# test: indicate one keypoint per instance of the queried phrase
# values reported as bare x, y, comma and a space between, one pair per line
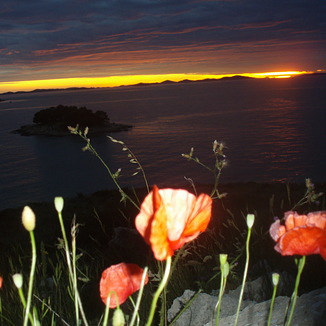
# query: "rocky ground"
310, 308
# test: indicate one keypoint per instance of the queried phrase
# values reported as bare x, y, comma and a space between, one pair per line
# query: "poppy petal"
303, 241
301, 235
277, 230
158, 238
168, 218
179, 205
119, 282
317, 219
200, 217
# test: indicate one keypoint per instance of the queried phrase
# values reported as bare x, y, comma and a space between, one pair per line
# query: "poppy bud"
118, 318
58, 203
223, 259
18, 280
250, 220
275, 278
28, 218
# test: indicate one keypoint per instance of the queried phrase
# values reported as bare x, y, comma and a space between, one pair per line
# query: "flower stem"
224, 274
90, 148
276, 276
219, 302
31, 280
72, 271
106, 314
159, 291
140, 294
244, 276
300, 264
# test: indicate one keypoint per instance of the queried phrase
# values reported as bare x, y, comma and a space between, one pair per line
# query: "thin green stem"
139, 297
72, 273
23, 301
106, 313
225, 269
244, 276
31, 281
219, 301
159, 291
53, 312
301, 264
216, 182
133, 159
65, 241
272, 305
22, 298
114, 179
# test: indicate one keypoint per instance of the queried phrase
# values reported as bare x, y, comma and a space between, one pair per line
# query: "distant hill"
166, 82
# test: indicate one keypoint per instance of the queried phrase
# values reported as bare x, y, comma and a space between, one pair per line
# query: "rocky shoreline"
59, 131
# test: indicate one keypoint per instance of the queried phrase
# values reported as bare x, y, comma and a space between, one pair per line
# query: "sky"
71, 43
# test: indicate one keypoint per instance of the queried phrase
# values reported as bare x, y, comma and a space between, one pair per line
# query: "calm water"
274, 131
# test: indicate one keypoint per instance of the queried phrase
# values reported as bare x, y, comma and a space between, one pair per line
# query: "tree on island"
64, 116
54, 121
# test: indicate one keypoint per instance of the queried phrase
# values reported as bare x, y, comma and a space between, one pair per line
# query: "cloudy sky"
50, 39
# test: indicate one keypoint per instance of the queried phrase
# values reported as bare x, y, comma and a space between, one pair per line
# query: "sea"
274, 130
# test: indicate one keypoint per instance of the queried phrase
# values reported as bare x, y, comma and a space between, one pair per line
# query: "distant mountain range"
235, 77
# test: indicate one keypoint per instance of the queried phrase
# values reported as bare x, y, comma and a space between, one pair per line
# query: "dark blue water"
274, 130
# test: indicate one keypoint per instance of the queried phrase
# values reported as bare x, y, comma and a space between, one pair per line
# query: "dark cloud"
67, 38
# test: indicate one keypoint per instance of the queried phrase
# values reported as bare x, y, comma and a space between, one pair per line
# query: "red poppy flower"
120, 281
169, 218
301, 235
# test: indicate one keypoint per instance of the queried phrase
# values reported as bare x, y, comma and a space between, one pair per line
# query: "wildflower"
169, 218
18, 280
119, 282
28, 218
301, 235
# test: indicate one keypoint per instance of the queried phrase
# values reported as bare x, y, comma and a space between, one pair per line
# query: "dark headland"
54, 121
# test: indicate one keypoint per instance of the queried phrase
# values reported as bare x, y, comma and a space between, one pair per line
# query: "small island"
54, 121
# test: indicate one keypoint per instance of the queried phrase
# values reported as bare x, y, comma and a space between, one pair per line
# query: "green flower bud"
18, 280
275, 278
250, 220
28, 218
118, 318
223, 259
58, 203
226, 269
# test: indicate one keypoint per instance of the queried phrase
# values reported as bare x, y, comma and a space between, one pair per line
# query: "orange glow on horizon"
114, 81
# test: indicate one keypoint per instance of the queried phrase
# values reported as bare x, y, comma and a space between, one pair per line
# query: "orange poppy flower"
169, 218
119, 282
301, 235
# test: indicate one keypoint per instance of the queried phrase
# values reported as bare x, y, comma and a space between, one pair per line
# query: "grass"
67, 293
197, 266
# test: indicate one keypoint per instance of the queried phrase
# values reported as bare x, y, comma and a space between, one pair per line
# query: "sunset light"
109, 44
115, 81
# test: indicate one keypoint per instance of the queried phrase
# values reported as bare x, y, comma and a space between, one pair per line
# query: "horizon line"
118, 81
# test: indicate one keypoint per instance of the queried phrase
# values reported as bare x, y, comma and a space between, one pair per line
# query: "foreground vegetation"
62, 288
